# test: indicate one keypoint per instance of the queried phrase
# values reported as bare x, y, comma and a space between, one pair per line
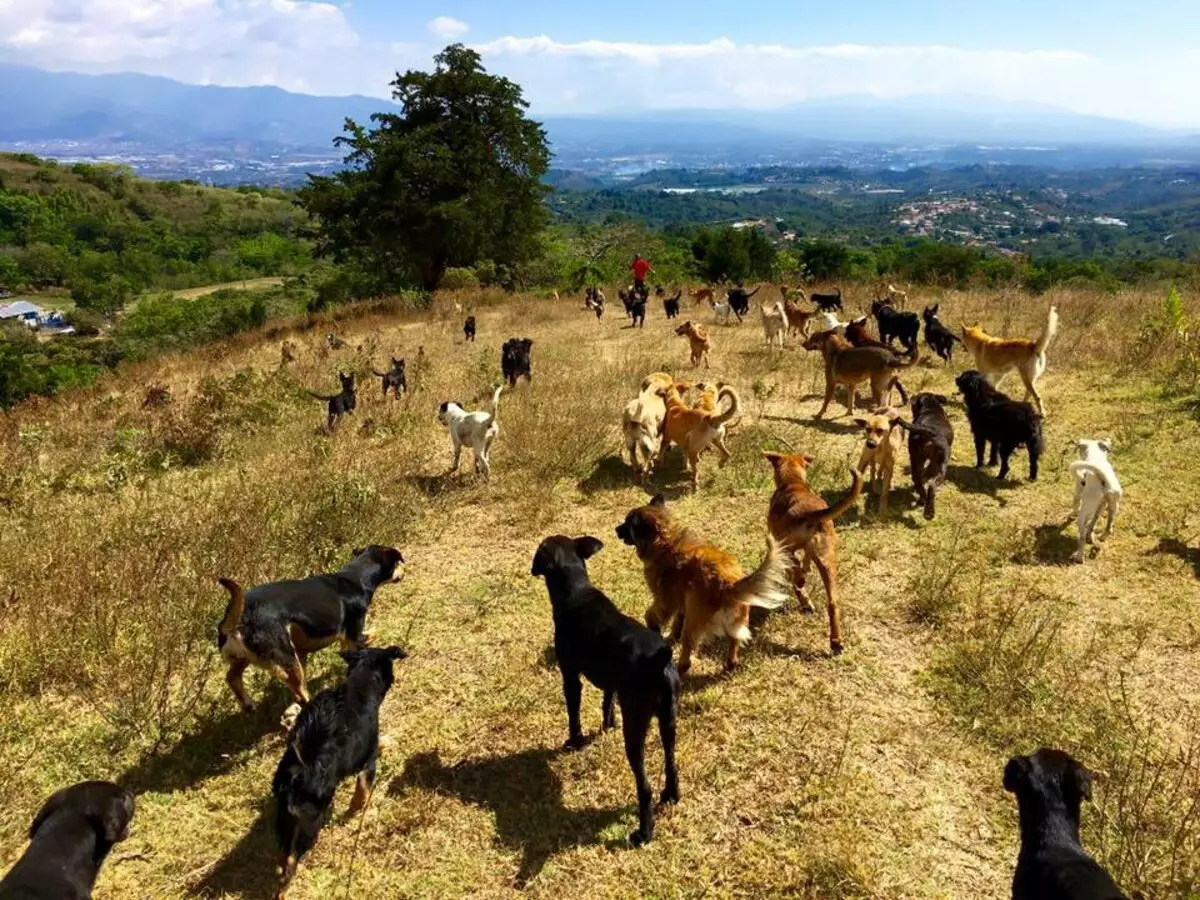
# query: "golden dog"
996, 357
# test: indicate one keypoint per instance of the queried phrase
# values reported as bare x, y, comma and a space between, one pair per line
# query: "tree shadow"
1051, 546
610, 473
248, 869
524, 795
1177, 548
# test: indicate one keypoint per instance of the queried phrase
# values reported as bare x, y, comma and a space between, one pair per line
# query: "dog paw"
290, 715
669, 795
836, 648
639, 839
576, 742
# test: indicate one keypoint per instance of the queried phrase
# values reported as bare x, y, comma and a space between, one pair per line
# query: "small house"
24, 312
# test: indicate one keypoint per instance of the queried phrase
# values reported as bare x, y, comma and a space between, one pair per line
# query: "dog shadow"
211, 749
610, 473
524, 795
1177, 548
971, 480
832, 426
1052, 546
248, 869
443, 483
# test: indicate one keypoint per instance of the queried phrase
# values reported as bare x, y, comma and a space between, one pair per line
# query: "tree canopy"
452, 179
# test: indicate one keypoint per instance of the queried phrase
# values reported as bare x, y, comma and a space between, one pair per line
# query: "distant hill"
36, 105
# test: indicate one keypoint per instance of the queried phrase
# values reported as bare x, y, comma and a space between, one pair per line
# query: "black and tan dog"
515, 362
625, 659
336, 736
671, 304
394, 379
275, 626
68, 842
1050, 788
469, 329
937, 335
340, 404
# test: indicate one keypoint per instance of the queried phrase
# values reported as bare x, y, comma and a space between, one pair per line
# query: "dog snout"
872, 444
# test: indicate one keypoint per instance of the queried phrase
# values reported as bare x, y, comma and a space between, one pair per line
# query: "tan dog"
881, 450
642, 423
700, 588
697, 336
695, 430
803, 522
799, 321
849, 365
996, 357
775, 323
707, 402
898, 298
703, 295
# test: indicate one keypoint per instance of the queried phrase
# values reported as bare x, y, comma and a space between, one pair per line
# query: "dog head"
444, 410
347, 380
1097, 448
375, 661
1047, 781
878, 427
930, 313
561, 552
972, 335
398, 365
687, 329
970, 383
788, 468
387, 559
821, 339
925, 402
879, 305
643, 525
107, 807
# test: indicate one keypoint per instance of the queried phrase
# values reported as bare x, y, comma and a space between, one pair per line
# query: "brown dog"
697, 336
695, 430
803, 522
799, 321
996, 357
700, 588
642, 423
881, 450
849, 365
703, 295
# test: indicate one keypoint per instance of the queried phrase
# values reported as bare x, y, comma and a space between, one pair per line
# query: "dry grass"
873, 775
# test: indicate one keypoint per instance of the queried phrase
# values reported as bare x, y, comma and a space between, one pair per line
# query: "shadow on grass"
611, 473
446, 482
1177, 548
971, 480
248, 869
1051, 546
524, 795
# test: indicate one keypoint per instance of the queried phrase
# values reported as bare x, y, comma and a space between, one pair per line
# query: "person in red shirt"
641, 268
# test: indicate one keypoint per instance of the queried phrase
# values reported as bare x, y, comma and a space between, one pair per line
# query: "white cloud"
448, 28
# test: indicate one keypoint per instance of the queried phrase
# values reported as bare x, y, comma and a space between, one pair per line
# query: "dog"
827, 321
1096, 490
671, 304
897, 298
287, 353
996, 357
1050, 788
707, 402
336, 736
893, 325
704, 294
695, 430
697, 336
940, 338
739, 300
642, 424
469, 329
477, 430
722, 309
515, 362
393, 379
775, 323
849, 365
930, 437
636, 307
339, 404
593, 299
881, 450
698, 589
69, 840
275, 626
620, 656
856, 333
333, 342
801, 521
1000, 421
828, 302
798, 319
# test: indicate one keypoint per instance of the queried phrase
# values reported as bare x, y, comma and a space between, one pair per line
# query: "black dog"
393, 379
469, 329
340, 404
514, 360
336, 736
937, 335
625, 659
739, 300
1007, 424
277, 625
827, 302
1052, 865
68, 842
671, 304
894, 325
637, 311
930, 437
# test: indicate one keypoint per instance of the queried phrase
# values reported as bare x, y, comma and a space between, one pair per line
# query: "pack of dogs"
697, 589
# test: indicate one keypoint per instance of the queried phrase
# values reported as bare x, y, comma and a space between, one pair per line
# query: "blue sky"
1133, 60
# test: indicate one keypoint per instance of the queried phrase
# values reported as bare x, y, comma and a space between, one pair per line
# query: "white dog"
478, 429
827, 321
1096, 489
775, 323
722, 309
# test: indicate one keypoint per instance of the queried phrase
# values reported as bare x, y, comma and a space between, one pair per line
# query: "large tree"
452, 179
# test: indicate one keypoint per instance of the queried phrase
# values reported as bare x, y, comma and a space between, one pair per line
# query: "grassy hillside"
876, 774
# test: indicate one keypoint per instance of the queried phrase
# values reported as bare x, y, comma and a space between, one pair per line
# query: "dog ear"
1105, 445
773, 458
352, 657
861, 423
658, 500
588, 546
359, 551
1082, 780
1016, 772
941, 398
540, 565
808, 460
395, 653
113, 820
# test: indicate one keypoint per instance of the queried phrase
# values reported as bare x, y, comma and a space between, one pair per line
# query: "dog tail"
491, 420
904, 362
840, 509
235, 607
1080, 467
766, 587
734, 406
324, 397
1048, 332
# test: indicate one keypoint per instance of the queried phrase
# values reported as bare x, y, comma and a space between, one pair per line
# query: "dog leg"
851, 399
1114, 503
1006, 452
980, 446
635, 721
234, 678
719, 443
572, 692
363, 786
829, 388
294, 676
457, 446
887, 489
687, 646
827, 567
799, 579
608, 715
668, 712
